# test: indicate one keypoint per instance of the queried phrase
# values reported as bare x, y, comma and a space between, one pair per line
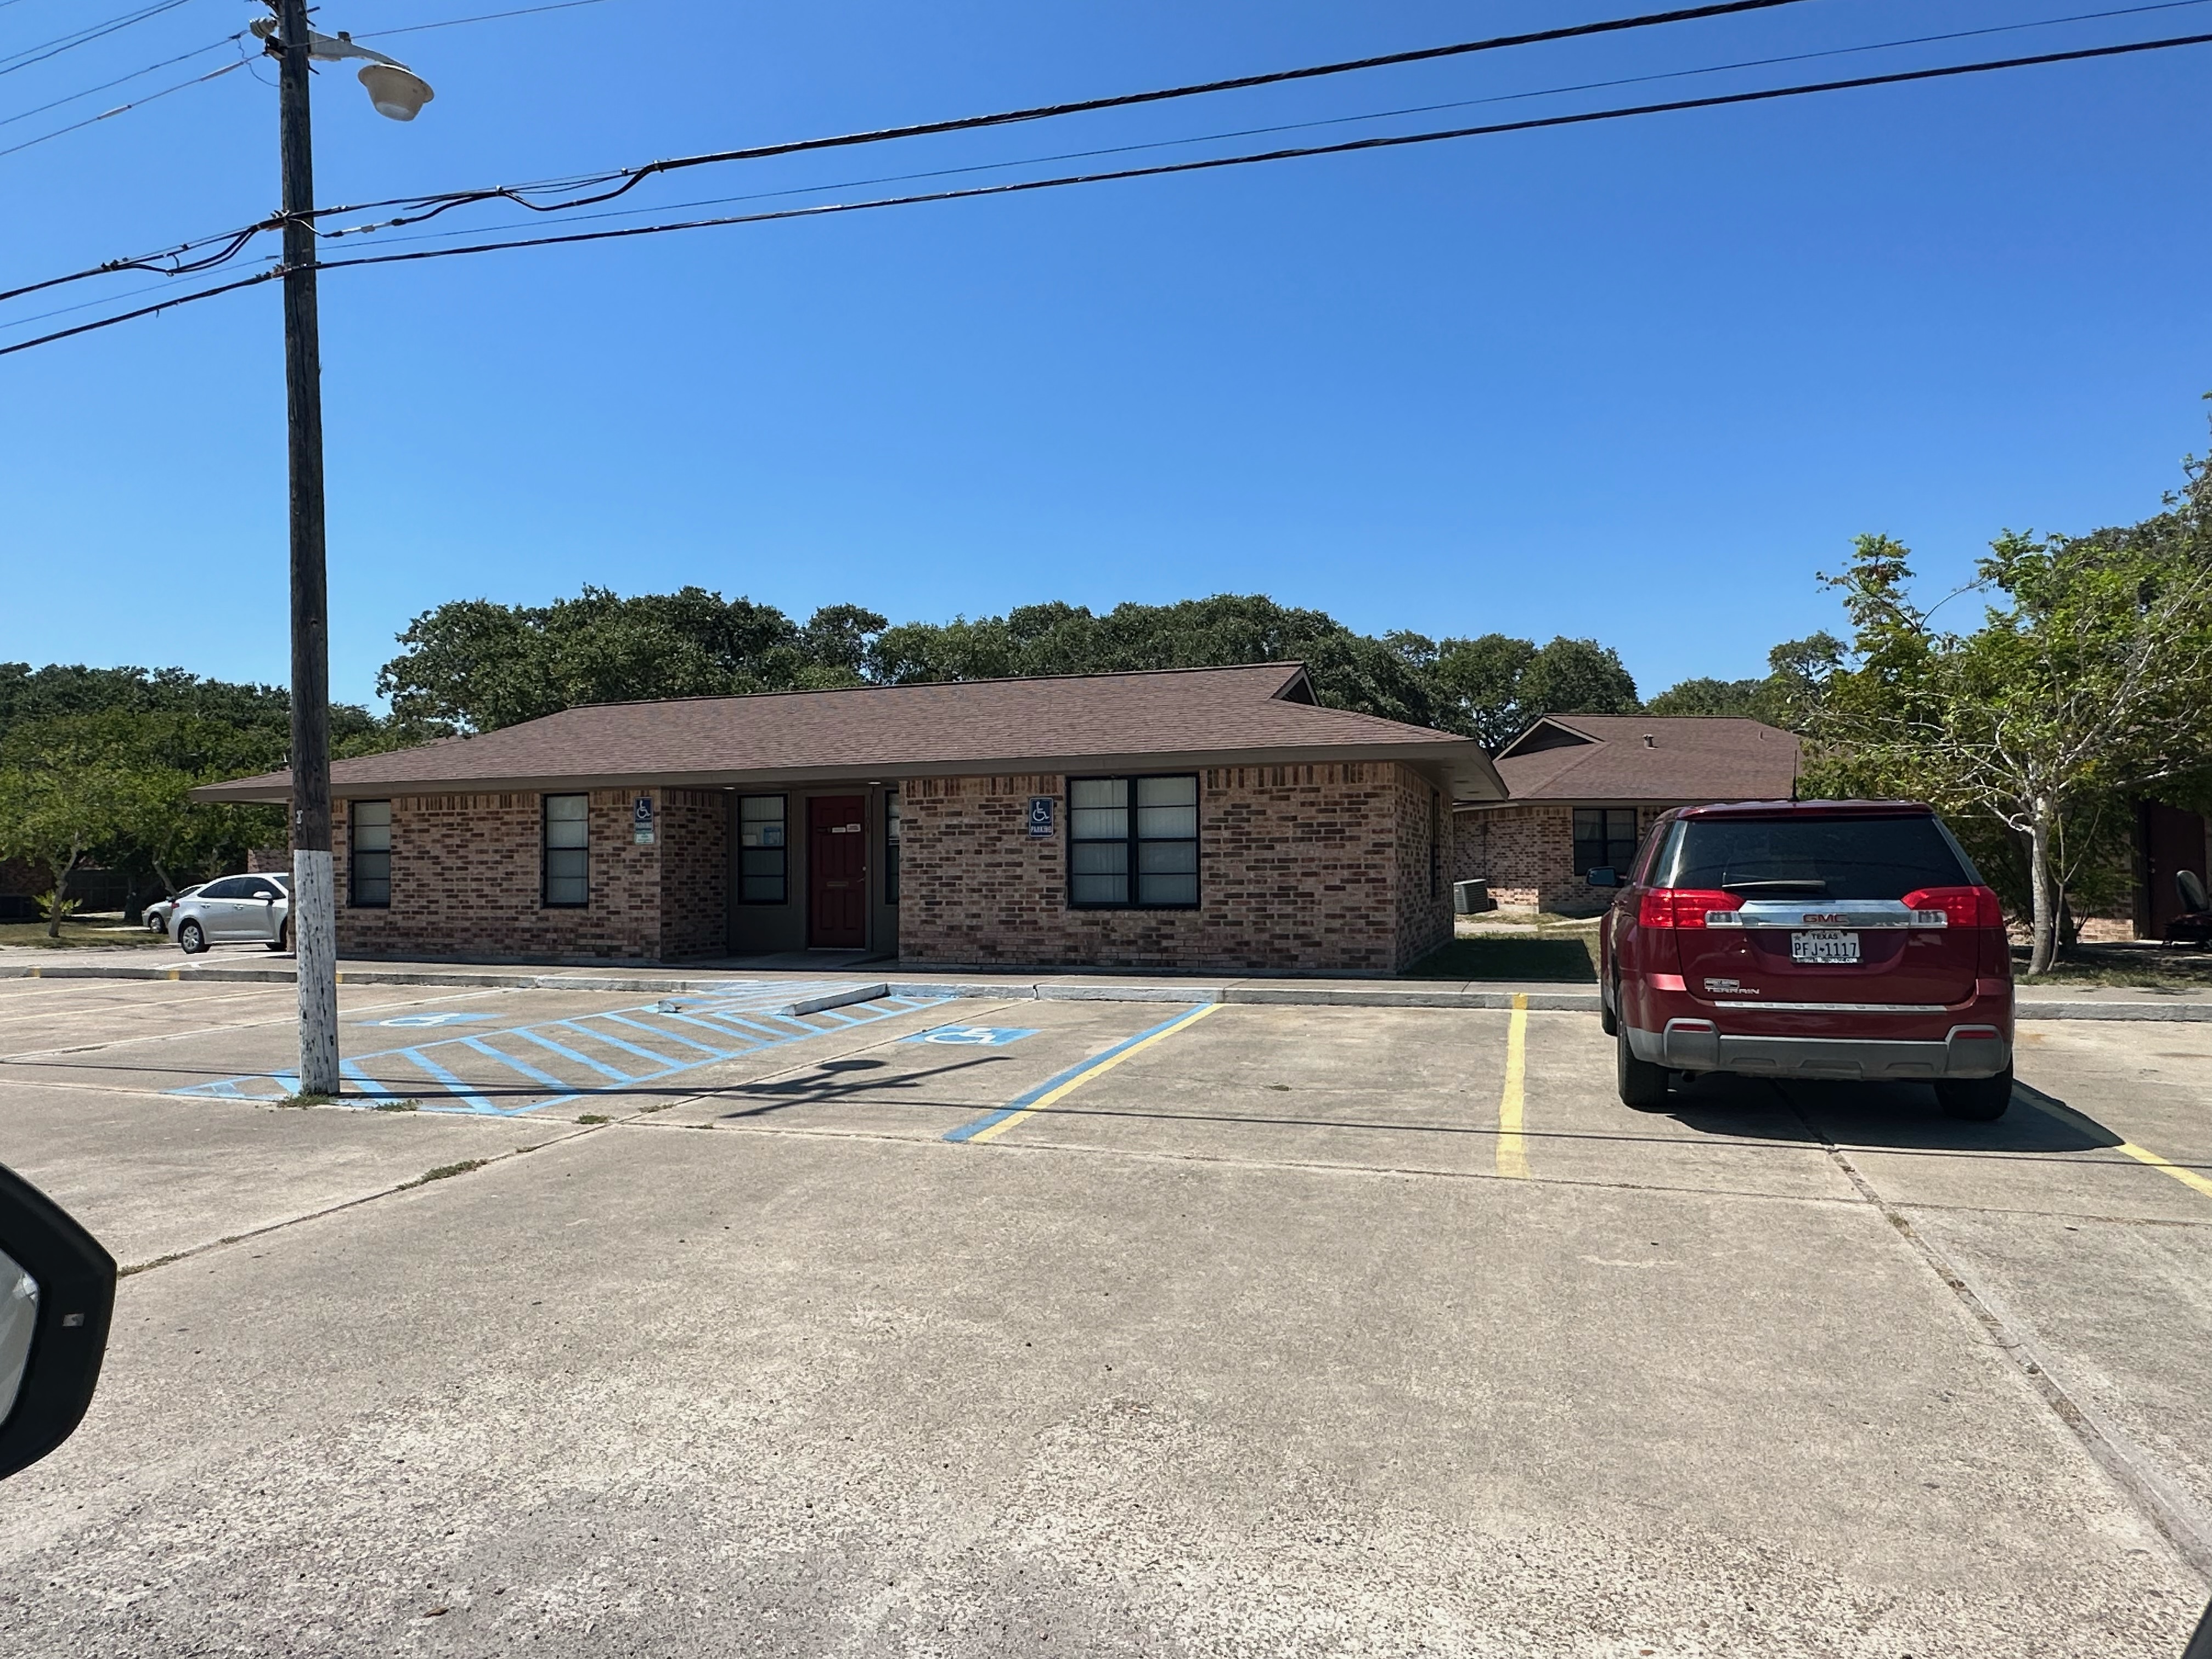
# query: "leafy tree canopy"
473, 665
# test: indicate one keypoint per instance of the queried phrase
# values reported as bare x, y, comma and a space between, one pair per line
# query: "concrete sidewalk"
2086, 1002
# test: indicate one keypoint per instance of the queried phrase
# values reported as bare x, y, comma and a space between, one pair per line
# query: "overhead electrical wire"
39, 54
1391, 142
487, 17
625, 179
166, 62
631, 177
228, 39
1285, 126
124, 109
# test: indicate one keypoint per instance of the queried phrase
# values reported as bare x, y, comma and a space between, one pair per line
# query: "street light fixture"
395, 89
397, 92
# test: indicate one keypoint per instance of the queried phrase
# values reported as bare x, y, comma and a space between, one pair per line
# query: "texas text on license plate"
1826, 946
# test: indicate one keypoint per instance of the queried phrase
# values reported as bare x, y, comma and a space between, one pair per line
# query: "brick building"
1584, 789
1200, 818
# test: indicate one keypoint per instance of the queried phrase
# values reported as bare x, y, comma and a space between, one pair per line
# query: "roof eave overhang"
1458, 767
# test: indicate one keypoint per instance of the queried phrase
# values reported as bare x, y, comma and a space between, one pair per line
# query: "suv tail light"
1962, 907
1682, 907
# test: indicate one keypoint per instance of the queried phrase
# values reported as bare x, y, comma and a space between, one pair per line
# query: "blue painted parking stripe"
704, 1025
661, 1061
452, 1084
743, 1027
655, 1031
352, 1069
524, 1031
568, 1091
744, 1015
1021, 1104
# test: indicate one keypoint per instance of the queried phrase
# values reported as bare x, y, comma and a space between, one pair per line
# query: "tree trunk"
2045, 944
61, 884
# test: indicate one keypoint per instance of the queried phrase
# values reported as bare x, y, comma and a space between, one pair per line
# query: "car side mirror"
57, 1295
1604, 876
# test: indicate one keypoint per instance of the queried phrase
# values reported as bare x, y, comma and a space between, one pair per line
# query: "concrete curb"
2165, 1012
1275, 993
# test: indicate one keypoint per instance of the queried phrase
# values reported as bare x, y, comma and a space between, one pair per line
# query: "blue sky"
1639, 381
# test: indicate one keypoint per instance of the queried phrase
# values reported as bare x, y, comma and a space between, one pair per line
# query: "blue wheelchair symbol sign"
971, 1037
1040, 815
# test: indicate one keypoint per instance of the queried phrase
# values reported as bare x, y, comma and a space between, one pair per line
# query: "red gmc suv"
1825, 939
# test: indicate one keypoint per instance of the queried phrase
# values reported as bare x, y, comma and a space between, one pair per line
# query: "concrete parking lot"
974, 1326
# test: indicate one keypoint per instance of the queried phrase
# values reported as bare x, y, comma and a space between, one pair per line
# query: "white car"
235, 910
157, 913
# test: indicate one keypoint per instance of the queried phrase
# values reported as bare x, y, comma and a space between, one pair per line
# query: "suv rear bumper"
1696, 1045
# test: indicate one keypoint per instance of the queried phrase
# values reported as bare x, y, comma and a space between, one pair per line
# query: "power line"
182, 57
1394, 142
634, 176
487, 17
630, 178
55, 48
1291, 127
123, 109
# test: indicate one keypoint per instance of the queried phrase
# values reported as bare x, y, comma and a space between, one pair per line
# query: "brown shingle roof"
1690, 758
1195, 716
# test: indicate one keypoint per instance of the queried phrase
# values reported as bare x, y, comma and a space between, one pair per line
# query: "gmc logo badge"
1815, 919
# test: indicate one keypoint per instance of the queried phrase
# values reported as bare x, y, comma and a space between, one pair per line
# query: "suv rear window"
1839, 858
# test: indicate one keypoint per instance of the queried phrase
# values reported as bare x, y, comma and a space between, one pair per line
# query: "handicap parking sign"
1040, 815
971, 1037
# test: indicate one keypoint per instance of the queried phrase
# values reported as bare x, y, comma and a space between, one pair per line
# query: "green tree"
1786, 696
2085, 685
473, 665
1496, 686
1349, 670
64, 792
1709, 697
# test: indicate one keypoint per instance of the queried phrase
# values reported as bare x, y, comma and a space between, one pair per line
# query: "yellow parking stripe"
1512, 1149
2187, 1177
1105, 1062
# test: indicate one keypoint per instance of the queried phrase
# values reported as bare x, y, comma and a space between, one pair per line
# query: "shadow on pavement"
1891, 1116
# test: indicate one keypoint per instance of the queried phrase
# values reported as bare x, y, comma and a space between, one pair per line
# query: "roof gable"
1646, 757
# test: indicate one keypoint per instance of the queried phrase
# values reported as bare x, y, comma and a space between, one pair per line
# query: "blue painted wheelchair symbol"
971, 1037
427, 1019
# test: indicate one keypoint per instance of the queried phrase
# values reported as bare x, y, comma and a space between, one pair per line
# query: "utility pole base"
315, 949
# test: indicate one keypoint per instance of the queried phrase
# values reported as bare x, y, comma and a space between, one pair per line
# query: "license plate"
1826, 946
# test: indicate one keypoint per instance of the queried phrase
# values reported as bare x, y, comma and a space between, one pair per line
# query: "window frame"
1606, 841
1131, 842
546, 849
354, 852
783, 874
894, 835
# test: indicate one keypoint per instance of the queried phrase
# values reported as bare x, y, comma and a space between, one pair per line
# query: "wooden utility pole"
314, 896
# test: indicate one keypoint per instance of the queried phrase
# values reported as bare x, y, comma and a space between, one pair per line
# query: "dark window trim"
785, 875
1606, 842
545, 850
353, 899
892, 844
1131, 842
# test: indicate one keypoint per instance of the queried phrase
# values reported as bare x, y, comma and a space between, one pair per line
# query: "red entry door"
837, 871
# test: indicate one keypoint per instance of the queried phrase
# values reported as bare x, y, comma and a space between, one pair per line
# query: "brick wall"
1300, 866
1527, 853
695, 872
465, 881
1424, 911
